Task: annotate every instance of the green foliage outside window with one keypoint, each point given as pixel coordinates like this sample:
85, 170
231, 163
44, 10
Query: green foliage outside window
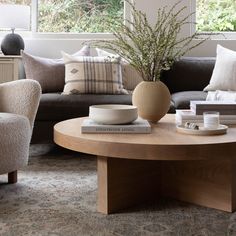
79, 16
76, 16
92, 15
21, 2
216, 15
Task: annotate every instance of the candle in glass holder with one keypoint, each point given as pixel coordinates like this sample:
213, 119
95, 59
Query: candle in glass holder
211, 119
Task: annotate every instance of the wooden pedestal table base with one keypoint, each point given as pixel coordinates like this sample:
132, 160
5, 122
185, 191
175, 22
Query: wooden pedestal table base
138, 168
207, 183
123, 183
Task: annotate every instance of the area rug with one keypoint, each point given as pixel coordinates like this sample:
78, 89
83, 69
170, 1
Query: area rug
56, 196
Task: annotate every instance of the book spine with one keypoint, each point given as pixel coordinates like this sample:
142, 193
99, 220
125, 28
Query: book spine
200, 116
182, 121
116, 130
224, 109
215, 106
200, 111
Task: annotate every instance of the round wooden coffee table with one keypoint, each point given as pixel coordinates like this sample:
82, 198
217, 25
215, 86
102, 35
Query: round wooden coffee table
138, 167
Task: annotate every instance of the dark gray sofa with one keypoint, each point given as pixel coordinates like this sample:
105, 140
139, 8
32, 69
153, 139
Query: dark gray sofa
186, 81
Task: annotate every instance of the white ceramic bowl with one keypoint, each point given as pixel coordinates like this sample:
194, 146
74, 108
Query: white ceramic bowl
113, 114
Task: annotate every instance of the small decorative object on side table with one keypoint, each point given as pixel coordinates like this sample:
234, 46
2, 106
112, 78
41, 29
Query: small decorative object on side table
13, 17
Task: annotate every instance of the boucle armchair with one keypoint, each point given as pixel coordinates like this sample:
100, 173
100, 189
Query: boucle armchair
19, 102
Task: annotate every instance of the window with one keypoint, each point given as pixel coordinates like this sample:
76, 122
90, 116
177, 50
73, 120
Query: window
74, 16
23, 2
78, 15
216, 15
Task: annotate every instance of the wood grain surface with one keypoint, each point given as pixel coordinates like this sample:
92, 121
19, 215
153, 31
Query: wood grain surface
164, 143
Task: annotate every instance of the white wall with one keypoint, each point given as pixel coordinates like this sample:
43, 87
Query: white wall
51, 47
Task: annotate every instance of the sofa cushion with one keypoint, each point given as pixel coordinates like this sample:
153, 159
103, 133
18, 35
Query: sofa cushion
189, 74
93, 75
50, 73
224, 76
57, 107
131, 78
182, 100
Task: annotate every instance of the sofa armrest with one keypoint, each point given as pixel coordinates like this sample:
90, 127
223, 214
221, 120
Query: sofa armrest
20, 97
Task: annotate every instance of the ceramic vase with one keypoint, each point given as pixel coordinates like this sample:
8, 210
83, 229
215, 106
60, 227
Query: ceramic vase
152, 100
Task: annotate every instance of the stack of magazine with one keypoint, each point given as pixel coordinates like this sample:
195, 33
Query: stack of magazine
139, 126
227, 112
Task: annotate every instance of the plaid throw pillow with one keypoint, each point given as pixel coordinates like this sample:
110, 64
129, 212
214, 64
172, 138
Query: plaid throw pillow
95, 75
131, 78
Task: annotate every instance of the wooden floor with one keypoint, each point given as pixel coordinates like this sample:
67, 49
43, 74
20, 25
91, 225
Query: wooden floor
123, 183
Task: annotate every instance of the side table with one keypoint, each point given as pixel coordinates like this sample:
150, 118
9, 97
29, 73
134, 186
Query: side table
9, 68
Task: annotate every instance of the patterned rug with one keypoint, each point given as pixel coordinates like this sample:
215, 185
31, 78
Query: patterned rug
56, 195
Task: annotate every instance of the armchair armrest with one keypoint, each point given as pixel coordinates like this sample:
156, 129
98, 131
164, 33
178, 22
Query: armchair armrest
20, 97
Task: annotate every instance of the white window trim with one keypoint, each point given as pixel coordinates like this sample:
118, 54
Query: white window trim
34, 34
223, 36
34, 15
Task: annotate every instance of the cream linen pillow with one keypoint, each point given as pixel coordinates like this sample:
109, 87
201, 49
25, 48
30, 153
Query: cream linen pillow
95, 75
131, 78
224, 73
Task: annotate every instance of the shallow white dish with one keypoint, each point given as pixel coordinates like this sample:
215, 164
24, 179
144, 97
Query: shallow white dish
113, 114
222, 129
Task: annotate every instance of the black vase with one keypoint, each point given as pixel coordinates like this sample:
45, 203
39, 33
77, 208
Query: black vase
12, 44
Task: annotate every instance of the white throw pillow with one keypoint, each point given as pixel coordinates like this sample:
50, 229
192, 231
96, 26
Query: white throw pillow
224, 73
131, 78
93, 75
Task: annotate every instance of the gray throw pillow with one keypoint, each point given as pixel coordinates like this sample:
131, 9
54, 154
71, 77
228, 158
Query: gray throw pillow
50, 73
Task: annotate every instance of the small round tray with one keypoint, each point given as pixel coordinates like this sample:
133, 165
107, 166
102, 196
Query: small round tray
222, 129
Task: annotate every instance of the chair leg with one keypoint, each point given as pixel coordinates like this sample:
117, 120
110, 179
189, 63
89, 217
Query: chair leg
12, 177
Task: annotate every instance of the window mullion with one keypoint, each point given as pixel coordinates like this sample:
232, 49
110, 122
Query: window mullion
34, 16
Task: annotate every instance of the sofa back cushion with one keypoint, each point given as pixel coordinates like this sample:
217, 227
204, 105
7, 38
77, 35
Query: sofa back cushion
50, 73
189, 74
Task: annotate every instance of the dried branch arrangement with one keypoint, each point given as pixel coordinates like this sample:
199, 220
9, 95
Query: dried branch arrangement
150, 49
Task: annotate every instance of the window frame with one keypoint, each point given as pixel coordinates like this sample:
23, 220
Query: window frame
214, 35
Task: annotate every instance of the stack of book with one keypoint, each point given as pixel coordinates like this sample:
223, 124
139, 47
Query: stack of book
227, 112
139, 126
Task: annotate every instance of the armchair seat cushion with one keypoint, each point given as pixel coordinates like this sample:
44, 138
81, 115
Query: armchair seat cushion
15, 134
182, 100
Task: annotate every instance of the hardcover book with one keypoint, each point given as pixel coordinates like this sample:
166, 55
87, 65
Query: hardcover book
223, 107
139, 126
183, 116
